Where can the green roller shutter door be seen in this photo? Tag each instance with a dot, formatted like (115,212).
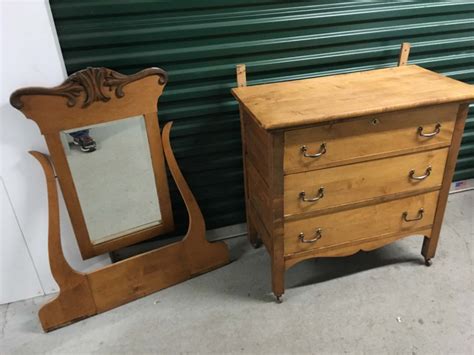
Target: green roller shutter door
(199,43)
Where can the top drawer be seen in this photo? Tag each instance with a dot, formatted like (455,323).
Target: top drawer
(369,137)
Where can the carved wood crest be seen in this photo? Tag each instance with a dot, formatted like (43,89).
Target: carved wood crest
(92,82)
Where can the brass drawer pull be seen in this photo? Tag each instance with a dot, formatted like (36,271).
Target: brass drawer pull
(428,135)
(318,236)
(319,196)
(417,218)
(422,177)
(322,150)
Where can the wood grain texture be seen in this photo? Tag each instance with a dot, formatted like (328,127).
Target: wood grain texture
(430,244)
(89,97)
(241,73)
(347,249)
(259,195)
(276,196)
(263,233)
(88,86)
(252,233)
(366,181)
(369,123)
(201,255)
(75,300)
(311,101)
(52,114)
(71,198)
(371,137)
(85,294)
(404,53)
(366,222)
(257,146)
(136,277)
(159,169)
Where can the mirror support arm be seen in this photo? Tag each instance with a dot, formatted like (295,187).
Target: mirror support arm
(73,285)
(83,295)
(201,255)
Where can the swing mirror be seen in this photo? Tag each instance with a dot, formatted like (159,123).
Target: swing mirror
(112,171)
(101,128)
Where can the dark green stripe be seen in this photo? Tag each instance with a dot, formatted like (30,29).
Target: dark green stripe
(200,42)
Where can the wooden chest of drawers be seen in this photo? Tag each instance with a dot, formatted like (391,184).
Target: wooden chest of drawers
(339,164)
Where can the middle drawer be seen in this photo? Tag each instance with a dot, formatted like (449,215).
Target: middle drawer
(342,185)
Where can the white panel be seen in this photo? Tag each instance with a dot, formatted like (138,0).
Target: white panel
(31,56)
(18,278)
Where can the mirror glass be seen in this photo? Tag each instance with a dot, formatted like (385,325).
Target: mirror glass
(113,174)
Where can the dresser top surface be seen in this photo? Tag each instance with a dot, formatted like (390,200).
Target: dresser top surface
(309,101)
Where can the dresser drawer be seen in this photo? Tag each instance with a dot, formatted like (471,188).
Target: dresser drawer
(380,220)
(359,182)
(370,137)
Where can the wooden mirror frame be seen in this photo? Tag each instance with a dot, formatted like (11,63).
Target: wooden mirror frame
(83,295)
(88,97)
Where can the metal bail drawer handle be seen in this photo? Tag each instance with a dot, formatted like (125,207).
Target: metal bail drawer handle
(421,177)
(322,150)
(318,236)
(319,196)
(417,218)
(428,135)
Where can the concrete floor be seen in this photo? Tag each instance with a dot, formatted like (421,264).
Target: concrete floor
(385,301)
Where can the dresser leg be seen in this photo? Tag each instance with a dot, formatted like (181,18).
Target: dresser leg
(430,244)
(278,278)
(429,249)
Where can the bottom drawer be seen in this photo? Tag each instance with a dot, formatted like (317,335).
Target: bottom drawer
(383,219)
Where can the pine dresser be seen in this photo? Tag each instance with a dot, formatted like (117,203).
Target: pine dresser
(344,163)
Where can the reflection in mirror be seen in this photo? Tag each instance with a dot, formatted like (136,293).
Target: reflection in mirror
(112,171)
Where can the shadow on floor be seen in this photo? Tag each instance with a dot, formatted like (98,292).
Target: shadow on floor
(319,270)
(249,273)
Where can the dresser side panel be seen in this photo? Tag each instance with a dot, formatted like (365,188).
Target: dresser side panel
(259,195)
(430,243)
(257,146)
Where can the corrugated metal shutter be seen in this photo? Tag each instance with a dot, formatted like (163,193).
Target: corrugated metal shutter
(199,43)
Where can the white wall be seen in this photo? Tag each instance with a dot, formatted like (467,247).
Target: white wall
(30,56)
(14,255)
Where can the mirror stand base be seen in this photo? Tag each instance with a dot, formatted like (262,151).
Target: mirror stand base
(83,295)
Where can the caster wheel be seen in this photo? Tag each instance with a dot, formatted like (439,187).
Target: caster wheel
(428,262)
(279,299)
